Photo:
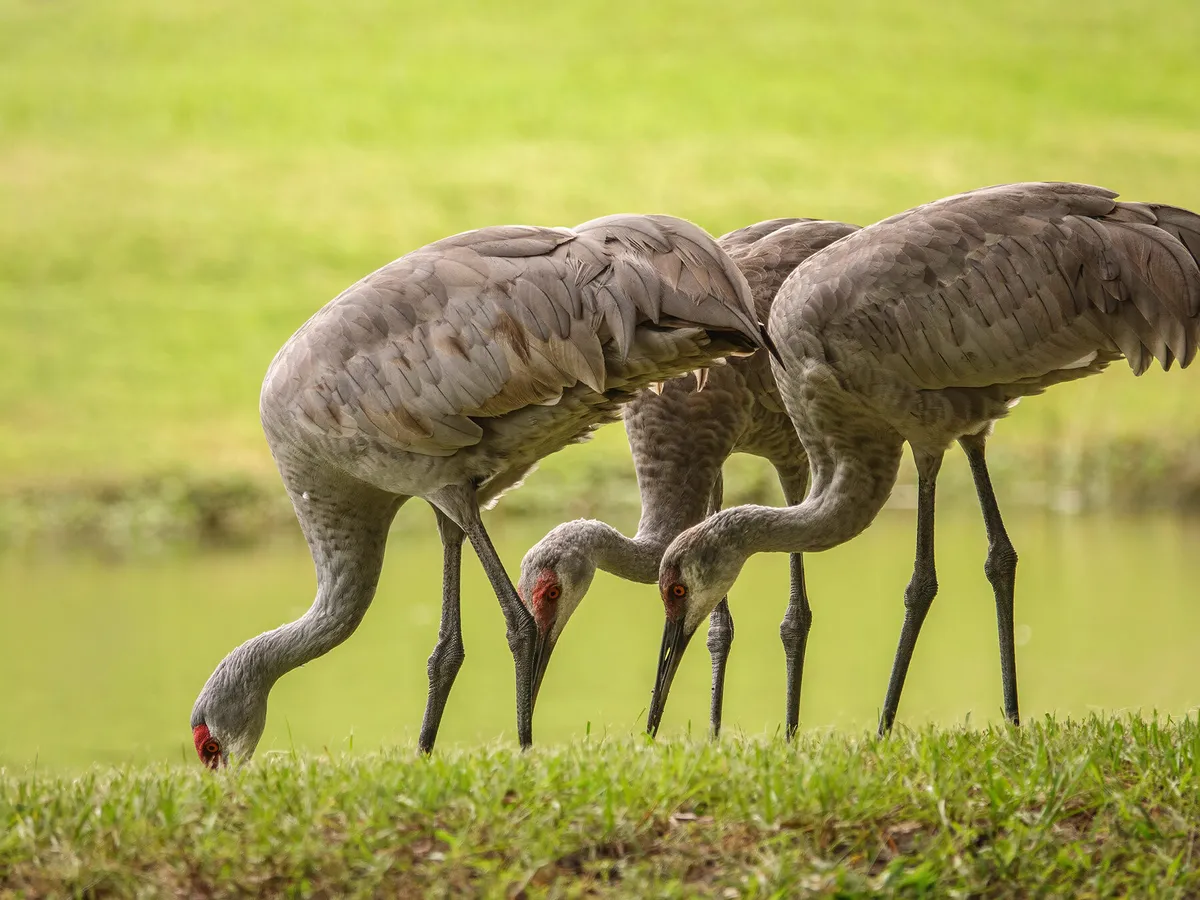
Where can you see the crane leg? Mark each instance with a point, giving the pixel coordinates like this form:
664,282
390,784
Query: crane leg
522,630
922,588
793,630
720,639
1001,571
720,631
460,503
448,655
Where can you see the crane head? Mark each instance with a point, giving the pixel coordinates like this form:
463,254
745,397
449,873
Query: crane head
229,716
208,748
697,570
553,582
676,636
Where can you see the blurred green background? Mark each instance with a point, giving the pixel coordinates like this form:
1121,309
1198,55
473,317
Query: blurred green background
182,184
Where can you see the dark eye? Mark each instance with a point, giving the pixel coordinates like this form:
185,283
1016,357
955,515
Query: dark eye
678,591
212,748
553,593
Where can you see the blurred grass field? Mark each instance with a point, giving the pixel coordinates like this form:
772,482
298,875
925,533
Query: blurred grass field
182,184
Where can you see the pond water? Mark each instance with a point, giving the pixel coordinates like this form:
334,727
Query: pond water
101,661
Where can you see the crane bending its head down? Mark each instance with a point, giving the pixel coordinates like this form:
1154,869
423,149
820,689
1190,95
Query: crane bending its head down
679,437
926,328
555,577
446,375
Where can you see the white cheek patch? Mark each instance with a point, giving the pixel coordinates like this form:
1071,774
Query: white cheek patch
694,615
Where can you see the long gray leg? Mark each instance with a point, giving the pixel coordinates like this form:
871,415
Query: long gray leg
460,503
522,630
1000,568
793,630
720,639
448,655
921,589
720,633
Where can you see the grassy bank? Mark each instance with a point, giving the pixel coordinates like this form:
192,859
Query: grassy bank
1097,808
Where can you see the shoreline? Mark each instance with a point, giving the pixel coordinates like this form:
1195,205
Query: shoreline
181,509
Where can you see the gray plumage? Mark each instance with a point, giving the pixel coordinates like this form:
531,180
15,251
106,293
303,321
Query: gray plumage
680,439
926,328
446,375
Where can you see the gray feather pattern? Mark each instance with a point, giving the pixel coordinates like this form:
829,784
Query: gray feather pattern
1009,285
483,323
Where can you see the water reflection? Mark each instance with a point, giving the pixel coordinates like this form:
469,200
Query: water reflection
102,662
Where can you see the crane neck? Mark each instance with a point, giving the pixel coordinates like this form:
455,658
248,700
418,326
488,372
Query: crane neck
343,597
839,508
348,558
633,559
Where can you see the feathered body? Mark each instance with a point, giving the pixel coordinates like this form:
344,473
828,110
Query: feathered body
936,319
926,328
483,352
446,375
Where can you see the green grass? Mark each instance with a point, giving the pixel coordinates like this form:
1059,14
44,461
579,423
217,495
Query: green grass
1085,809
181,185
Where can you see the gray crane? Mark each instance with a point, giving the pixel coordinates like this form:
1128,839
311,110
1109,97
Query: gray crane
447,375
926,328
680,438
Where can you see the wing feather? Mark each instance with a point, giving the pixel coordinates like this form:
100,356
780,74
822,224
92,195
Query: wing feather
483,323
1007,284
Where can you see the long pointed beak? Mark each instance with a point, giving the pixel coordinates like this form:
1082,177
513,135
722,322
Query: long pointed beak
541,657
674,642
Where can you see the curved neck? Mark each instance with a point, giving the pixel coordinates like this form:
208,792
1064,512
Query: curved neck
343,597
634,559
838,509
348,558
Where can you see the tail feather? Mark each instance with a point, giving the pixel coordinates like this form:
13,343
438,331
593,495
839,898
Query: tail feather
660,354
1156,272
671,268
1148,283
1184,226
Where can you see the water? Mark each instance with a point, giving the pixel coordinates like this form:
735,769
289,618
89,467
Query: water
101,661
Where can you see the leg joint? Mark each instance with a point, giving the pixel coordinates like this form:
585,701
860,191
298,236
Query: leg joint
720,638
445,661
920,591
1001,557
795,625
1001,561
522,634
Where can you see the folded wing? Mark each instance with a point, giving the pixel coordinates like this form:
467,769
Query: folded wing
489,321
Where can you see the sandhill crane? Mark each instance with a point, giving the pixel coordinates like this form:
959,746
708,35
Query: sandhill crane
680,439
927,327
447,375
